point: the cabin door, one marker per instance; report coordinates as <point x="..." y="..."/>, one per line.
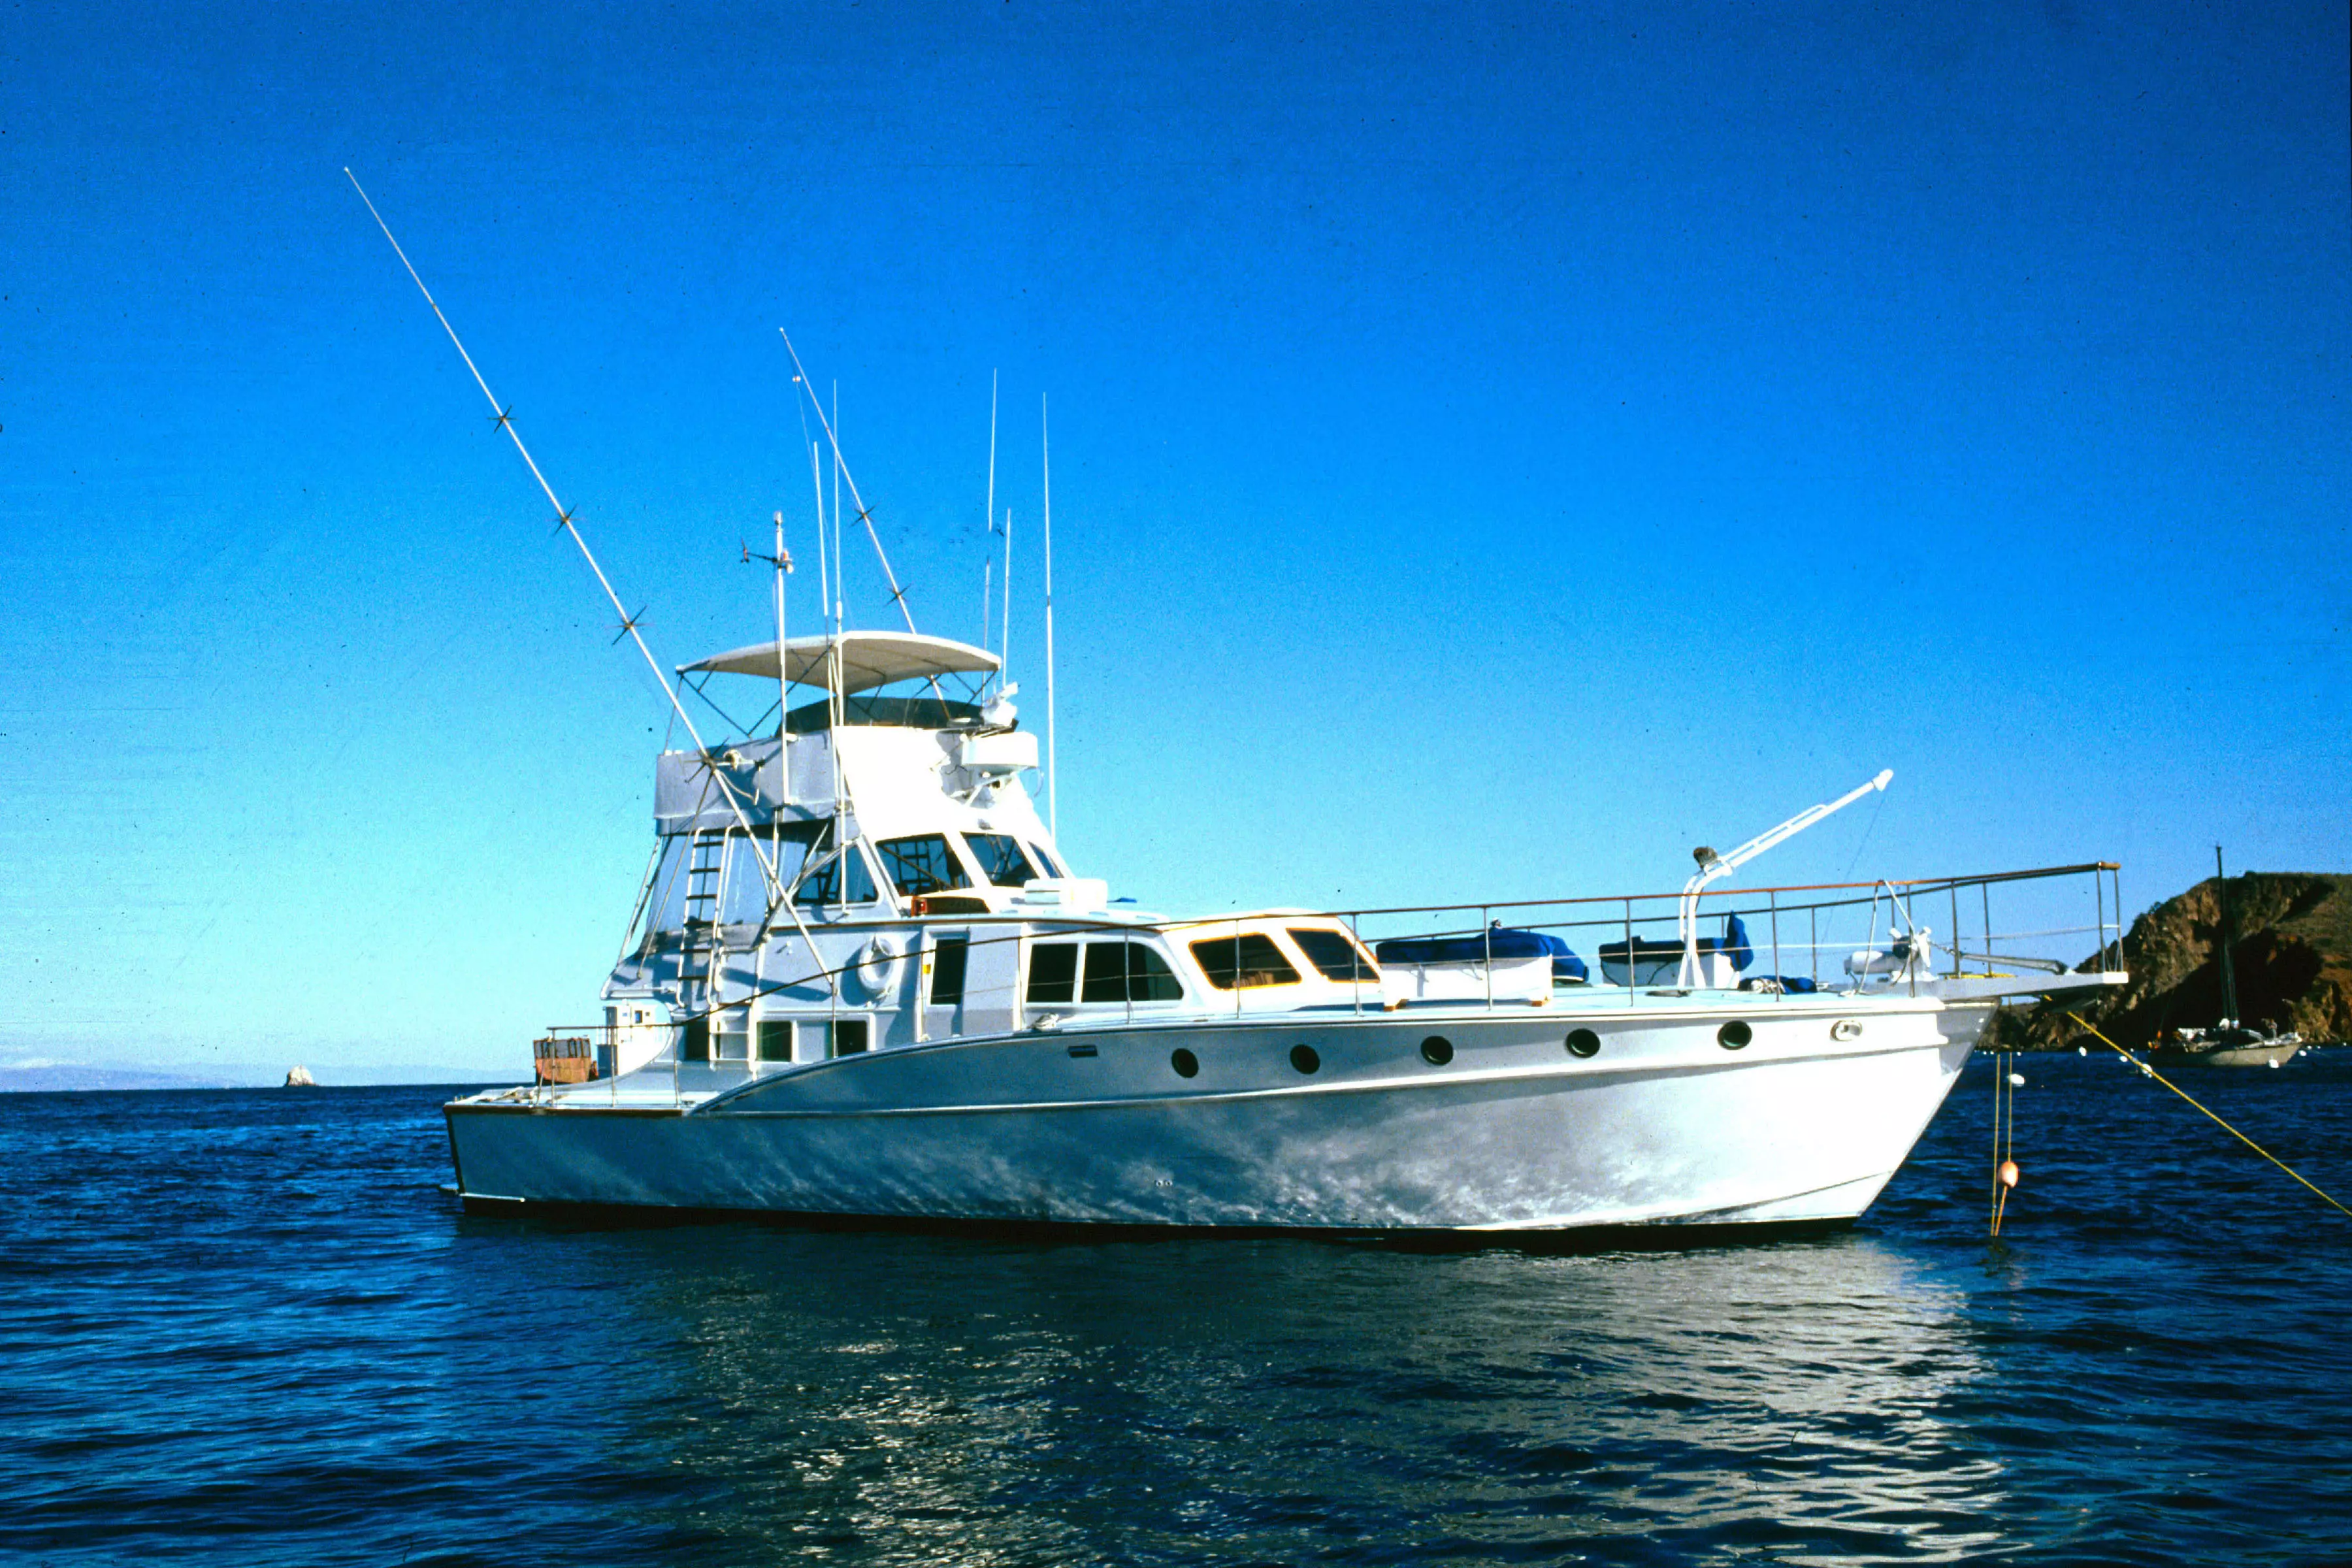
<point x="946" y="968"/>
<point x="992" y="967"/>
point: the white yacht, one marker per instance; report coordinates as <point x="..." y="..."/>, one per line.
<point x="862" y="982"/>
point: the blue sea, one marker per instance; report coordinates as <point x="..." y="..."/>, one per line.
<point x="248" y="1327"/>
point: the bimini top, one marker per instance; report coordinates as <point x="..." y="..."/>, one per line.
<point x="867" y="659"/>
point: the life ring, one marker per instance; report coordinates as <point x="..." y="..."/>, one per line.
<point x="877" y="966"/>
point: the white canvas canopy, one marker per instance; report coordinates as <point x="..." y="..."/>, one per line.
<point x="867" y="659"/>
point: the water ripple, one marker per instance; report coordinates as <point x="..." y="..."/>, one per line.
<point x="245" y="1328"/>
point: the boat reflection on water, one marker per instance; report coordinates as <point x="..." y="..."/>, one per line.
<point x="915" y="1397"/>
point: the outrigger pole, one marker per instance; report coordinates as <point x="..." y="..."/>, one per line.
<point x="841" y="467"/>
<point x="564" y="522"/>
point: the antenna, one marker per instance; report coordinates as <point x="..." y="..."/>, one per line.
<point x="1005" y="650"/>
<point x="987" y="596"/>
<point x="823" y="609"/>
<point x="782" y="562"/>
<point x="988" y="512"/>
<point x="824" y="555"/>
<point x="783" y="678"/>
<point x="564" y="522"/>
<point x="841" y="570"/>
<point x="865" y="513"/>
<point x="1045" y="444"/>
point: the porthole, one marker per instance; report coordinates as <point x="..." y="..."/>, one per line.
<point x="1583" y="1043"/>
<point x="1734" y="1035"/>
<point x="1185" y="1063"/>
<point x="1846" y="1029"/>
<point x="1304" y="1059"/>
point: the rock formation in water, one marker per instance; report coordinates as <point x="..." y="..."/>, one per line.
<point x="299" y="1078"/>
<point x="2292" y="956"/>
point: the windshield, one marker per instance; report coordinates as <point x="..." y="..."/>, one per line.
<point x="1000" y="857"/>
<point x="1332" y="952"/>
<point x="1248" y="961"/>
<point x="824" y="885"/>
<point x="921" y="864"/>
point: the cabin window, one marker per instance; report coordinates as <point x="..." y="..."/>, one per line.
<point x="786" y="845"/>
<point x="1248" y="961"/>
<point x="824" y="885"/>
<point x="922" y="864"/>
<point x="822" y="1038"/>
<point x="1045" y="858"/>
<point x="1332" y="952"/>
<point x="666" y="899"/>
<point x="948" y="961"/>
<point x="689" y="873"/>
<point x="732" y="1043"/>
<point x="1053" y="972"/>
<point x="1127" y="972"/>
<point x="1000" y="858"/>
<point x="696" y="1047"/>
<point x="775" y="1039"/>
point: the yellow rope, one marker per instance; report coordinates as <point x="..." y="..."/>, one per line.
<point x="2225" y="1127"/>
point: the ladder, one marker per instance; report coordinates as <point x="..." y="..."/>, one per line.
<point x="706" y="874"/>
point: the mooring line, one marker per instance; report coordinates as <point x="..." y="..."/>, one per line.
<point x="2225" y="1127"/>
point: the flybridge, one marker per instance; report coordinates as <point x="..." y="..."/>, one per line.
<point x="941" y="743"/>
<point x="851" y="670"/>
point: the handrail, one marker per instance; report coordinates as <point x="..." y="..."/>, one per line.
<point x="1867" y="890"/>
<point x="1915" y="882"/>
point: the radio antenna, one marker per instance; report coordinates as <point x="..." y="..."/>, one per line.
<point x="563" y="519"/>
<point x="988" y="512"/>
<point x="1053" y="775"/>
<point x="824" y="607"/>
<point x="841" y="567"/>
<point x="783" y="562"/>
<point x="865" y="514"/>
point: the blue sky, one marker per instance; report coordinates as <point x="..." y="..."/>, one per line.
<point x="1495" y="450"/>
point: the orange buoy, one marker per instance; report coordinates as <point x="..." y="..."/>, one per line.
<point x="2009" y="1172"/>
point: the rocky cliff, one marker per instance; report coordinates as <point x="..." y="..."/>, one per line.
<point x="2292" y="956"/>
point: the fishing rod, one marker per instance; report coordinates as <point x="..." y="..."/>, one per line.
<point x="565" y="522"/>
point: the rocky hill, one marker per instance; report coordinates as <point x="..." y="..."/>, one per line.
<point x="2292" y="956"/>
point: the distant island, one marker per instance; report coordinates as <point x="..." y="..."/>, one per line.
<point x="41" y="1075"/>
<point x="2292" y="956"/>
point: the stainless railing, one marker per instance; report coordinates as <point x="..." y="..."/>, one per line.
<point x="2041" y="921"/>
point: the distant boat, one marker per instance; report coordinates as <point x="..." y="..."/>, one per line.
<point x="2229" y="1043"/>
<point x="299" y="1076"/>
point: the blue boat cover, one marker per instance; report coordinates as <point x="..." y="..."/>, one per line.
<point x="1733" y="945"/>
<point x="1643" y="948"/>
<point x="1501" y="941"/>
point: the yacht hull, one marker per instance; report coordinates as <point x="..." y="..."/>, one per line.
<point x="1510" y="1132"/>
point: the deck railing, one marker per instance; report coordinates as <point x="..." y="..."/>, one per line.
<point x="2053" y="919"/>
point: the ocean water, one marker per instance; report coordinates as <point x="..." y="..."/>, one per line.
<point x="244" y="1327"/>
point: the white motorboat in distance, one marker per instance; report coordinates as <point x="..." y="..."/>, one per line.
<point x="864" y="984"/>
